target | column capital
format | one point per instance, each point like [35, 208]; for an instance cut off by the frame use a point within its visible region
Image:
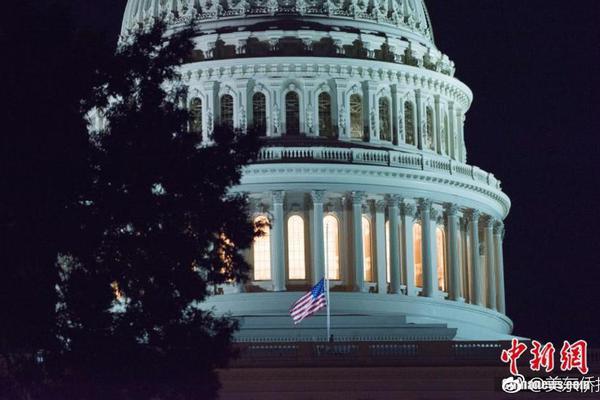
[488, 221]
[357, 197]
[408, 209]
[473, 215]
[278, 196]
[425, 205]
[499, 228]
[317, 196]
[451, 209]
[394, 200]
[380, 205]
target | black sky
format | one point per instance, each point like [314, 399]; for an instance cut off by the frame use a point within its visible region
[533, 66]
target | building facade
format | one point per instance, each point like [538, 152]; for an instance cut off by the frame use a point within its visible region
[363, 176]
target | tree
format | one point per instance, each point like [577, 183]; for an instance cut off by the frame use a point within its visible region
[159, 227]
[47, 68]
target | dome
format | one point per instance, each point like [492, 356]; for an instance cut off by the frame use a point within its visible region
[401, 17]
[363, 175]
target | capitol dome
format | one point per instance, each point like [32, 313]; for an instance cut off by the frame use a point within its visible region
[363, 175]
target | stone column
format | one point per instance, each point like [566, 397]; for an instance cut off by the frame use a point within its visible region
[476, 273]
[452, 133]
[498, 237]
[342, 110]
[427, 242]
[370, 112]
[407, 213]
[437, 122]
[380, 246]
[240, 119]
[359, 269]
[453, 252]
[208, 119]
[318, 239]
[393, 209]
[277, 242]
[490, 263]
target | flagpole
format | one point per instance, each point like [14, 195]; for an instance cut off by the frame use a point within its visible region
[327, 282]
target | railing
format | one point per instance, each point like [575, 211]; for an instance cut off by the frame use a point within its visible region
[381, 354]
[391, 158]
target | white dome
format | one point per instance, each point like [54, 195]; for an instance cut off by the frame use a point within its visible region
[405, 17]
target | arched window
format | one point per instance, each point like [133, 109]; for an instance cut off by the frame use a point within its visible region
[196, 115]
[227, 110]
[418, 253]
[367, 250]
[325, 127]
[332, 246]
[292, 113]
[440, 238]
[385, 120]
[259, 112]
[429, 136]
[356, 117]
[296, 256]
[262, 250]
[387, 250]
[409, 123]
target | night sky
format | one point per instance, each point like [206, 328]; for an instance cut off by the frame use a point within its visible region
[534, 70]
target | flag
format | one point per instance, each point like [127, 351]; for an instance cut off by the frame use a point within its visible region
[310, 303]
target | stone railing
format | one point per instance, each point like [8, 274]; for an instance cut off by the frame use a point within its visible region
[391, 158]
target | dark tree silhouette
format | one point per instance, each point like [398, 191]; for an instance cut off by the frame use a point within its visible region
[46, 69]
[159, 228]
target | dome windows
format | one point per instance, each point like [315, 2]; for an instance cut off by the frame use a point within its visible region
[332, 246]
[409, 123]
[196, 115]
[325, 126]
[385, 120]
[292, 113]
[295, 245]
[227, 110]
[262, 250]
[259, 112]
[356, 116]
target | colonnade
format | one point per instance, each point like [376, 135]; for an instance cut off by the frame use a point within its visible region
[469, 267]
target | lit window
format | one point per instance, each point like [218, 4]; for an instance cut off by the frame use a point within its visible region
[385, 128]
[325, 128]
[440, 237]
[262, 250]
[367, 250]
[387, 249]
[409, 123]
[292, 113]
[418, 253]
[227, 110]
[356, 117]
[296, 261]
[196, 115]
[332, 247]
[429, 136]
[259, 112]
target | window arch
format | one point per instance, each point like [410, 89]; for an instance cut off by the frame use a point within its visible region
[332, 246]
[367, 250]
[385, 118]
[325, 127]
[196, 115]
[296, 255]
[440, 238]
[418, 253]
[292, 113]
[262, 250]
[356, 117]
[429, 136]
[409, 123]
[259, 112]
[227, 110]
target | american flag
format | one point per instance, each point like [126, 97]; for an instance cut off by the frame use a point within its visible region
[310, 303]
